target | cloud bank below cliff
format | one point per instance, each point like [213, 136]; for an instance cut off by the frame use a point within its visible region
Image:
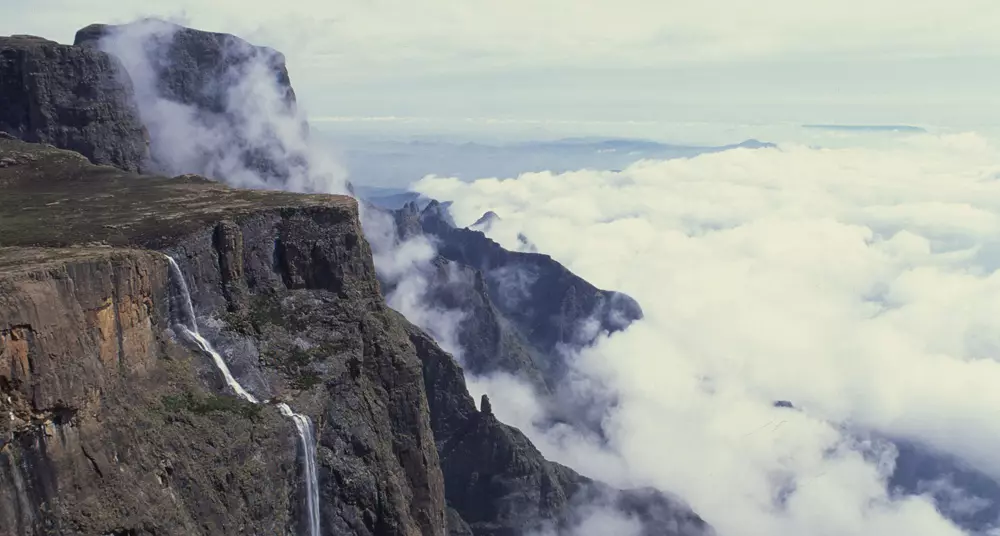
[860, 284]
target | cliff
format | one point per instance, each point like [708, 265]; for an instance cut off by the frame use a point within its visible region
[194, 61]
[113, 414]
[213, 103]
[500, 484]
[117, 426]
[69, 97]
[526, 307]
[111, 430]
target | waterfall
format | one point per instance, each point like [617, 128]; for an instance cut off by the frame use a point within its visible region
[187, 325]
[308, 438]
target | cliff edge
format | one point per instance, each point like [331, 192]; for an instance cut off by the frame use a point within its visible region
[70, 97]
[118, 426]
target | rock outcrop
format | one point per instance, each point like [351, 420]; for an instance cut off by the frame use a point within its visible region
[72, 98]
[500, 484]
[214, 104]
[194, 62]
[524, 310]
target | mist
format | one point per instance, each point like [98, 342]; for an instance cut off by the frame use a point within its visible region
[244, 125]
[859, 284]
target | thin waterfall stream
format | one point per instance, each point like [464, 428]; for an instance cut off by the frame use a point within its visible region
[188, 327]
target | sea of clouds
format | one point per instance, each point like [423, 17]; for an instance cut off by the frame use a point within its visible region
[860, 284]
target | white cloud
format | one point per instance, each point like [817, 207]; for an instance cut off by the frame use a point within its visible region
[358, 34]
[868, 61]
[860, 284]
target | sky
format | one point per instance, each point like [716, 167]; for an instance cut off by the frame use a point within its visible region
[926, 62]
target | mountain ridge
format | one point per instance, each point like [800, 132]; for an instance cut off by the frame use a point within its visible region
[114, 414]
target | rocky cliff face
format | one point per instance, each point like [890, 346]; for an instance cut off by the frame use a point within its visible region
[69, 97]
[525, 309]
[111, 430]
[113, 415]
[119, 427]
[214, 104]
[522, 314]
[193, 62]
[498, 483]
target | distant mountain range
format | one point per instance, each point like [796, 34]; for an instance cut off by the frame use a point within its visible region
[383, 170]
[396, 164]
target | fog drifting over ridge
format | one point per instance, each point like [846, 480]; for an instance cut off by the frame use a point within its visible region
[861, 284]
[257, 137]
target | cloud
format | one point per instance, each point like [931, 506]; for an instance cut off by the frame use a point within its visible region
[244, 130]
[407, 271]
[365, 37]
[861, 284]
[889, 61]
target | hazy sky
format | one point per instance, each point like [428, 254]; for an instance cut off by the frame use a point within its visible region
[931, 62]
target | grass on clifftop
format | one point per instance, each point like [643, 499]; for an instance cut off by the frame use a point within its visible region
[57, 198]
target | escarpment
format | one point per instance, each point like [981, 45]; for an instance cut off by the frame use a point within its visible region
[194, 61]
[290, 281]
[527, 309]
[70, 97]
[111, 430]
[115, 414]
[119, 426]
[213, 103]
[498, 483]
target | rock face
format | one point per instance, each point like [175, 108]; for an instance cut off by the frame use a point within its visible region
[118, 427]
[104, 407]
[522, 314]
[214, 104]
[523, 309]
[121, 430]
[500, 484]
[113, 414]
[71, 98]
[196, 61]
